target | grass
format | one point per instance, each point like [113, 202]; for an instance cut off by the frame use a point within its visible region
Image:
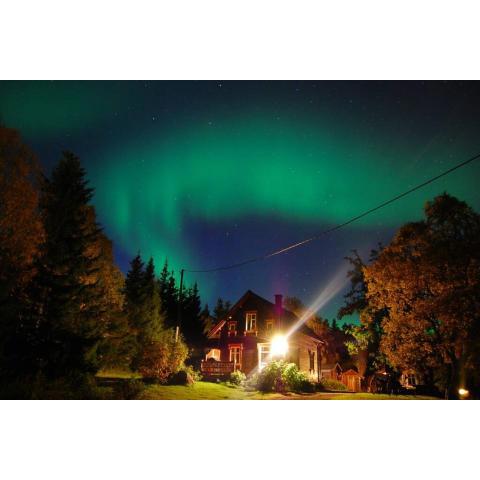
[114, 373]
[225, 391]
[201, 391]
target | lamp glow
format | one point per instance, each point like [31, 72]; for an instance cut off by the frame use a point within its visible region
[463, 392]
[279, 346]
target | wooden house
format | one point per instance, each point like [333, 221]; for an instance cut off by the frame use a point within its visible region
[242, 340]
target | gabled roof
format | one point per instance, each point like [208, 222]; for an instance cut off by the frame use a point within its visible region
[287, 315]
[330, 366]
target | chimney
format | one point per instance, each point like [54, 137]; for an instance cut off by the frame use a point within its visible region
[278, 302]
[278, 310]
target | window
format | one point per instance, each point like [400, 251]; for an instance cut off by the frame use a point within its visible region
[251, 322]
[236, 355]
[269, 326]
[312, 361]
[232, 329]
[213, 353]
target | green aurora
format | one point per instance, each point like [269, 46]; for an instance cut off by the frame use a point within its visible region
[168, 157]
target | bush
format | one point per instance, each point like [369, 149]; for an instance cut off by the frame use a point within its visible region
[162, 358]
[195, 374]
[129, 389]
[329, 384]
[237, 377]
[279, 376]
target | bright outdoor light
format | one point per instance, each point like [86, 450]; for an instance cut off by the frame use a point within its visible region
[462, 392]
[279, 346]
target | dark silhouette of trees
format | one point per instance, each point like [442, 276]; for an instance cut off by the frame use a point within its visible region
[428, 279]
[364, 340]
[143, 307]
[168, 295]
[71, 309]
[21, 236]
[192, 326]
[221, 308]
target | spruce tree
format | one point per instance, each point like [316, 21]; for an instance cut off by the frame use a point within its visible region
[153, 321]
[70, 305]
[168, 295]
[206, 320]
[221, 309]
[192, 327]
[143, 307]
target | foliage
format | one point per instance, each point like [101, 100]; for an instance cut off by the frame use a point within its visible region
[21, 236]
[195, 374]
[67, 297]
[334, 385]
[192, 325]
[168, 295]
[163, 357]
[363, 341]
[280, 376]
[429, 280]
[237, 377]
[221, 309]
[142, 308]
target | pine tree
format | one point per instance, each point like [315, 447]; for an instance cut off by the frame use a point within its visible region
[153, 321]
[221, 309]
[168, 295]
[70, 303]
[206, 320]
[143, 307]
[192, 327]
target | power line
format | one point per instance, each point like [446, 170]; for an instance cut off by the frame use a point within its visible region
[339, 226]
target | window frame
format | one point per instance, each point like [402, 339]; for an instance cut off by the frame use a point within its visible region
[251, 318]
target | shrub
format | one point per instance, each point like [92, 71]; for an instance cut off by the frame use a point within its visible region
[329, 384]
[279, 376]
[195, 374]
[237, 377]
[163, 357]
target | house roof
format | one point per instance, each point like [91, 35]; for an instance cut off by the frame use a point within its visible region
[351, 371]
[330, 366]
[288, 317]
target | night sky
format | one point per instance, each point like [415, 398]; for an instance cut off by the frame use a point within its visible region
[211, 173]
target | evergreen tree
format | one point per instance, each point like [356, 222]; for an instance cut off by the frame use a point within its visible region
[206, 320]
[143, 307]
[70, 308]
[168, 295]
[192, 327]
[153, 321]
[221, 309]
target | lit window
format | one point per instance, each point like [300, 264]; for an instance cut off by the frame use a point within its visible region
[235, 355]
[213, 353]
[251, 322]
[232, 328]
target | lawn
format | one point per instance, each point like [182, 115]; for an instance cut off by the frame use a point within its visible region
[222, 391]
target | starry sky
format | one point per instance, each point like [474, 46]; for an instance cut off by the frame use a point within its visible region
[211, 173]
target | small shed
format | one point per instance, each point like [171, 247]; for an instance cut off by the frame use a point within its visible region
[352, 380]
[332, 371]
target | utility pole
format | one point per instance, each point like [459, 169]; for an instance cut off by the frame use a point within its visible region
[179, 306]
